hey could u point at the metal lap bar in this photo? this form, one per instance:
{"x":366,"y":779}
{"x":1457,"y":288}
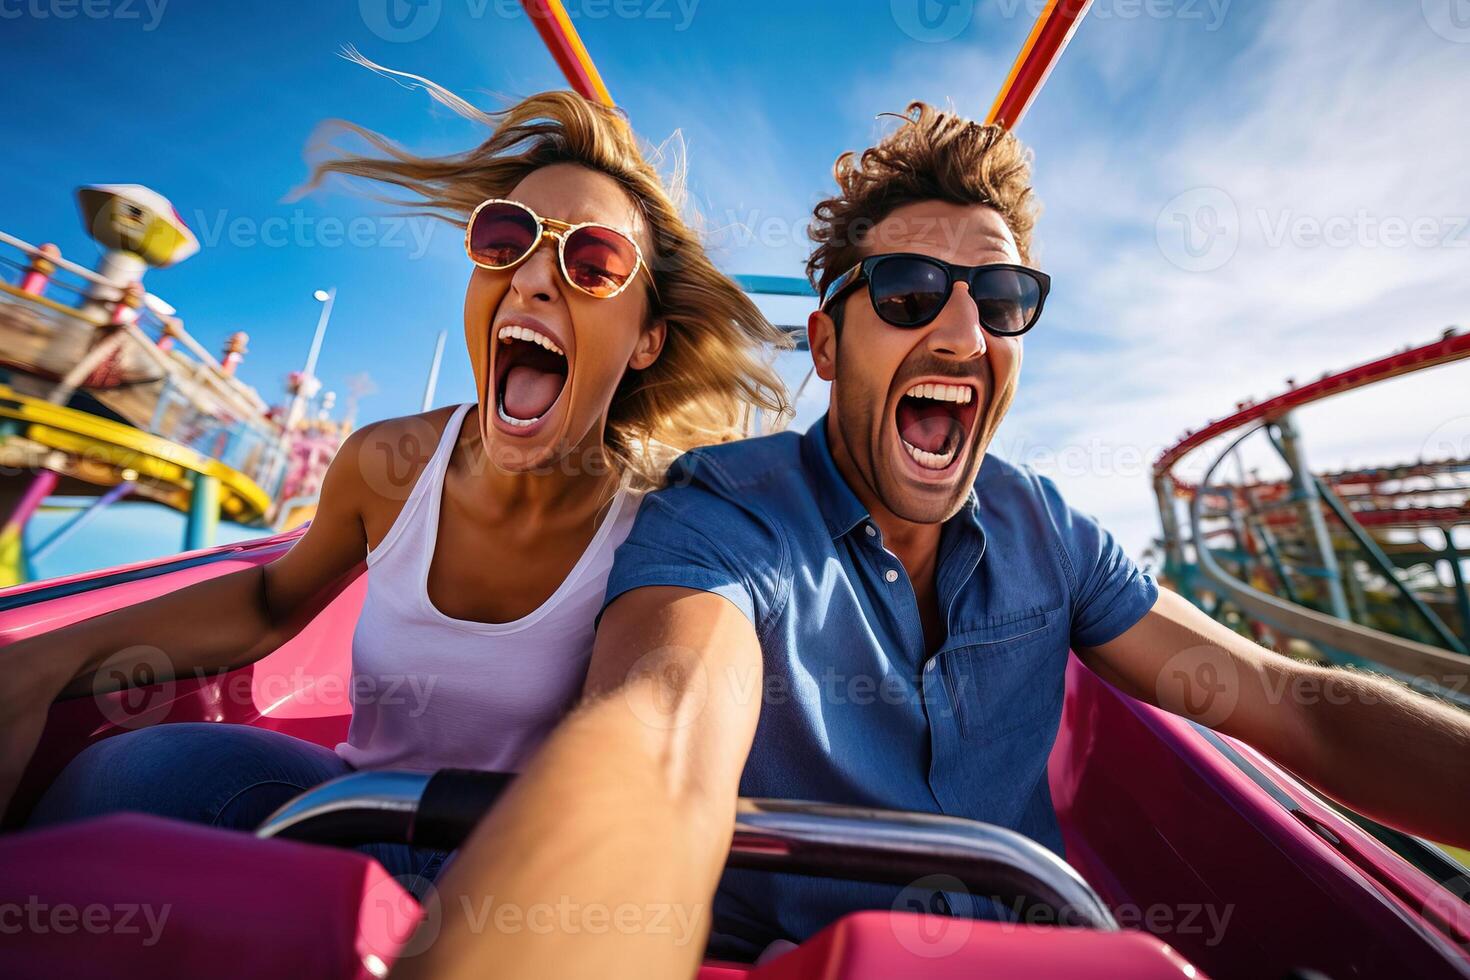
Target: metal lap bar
{"x":894,"y":847}
{"x":830,"y":841}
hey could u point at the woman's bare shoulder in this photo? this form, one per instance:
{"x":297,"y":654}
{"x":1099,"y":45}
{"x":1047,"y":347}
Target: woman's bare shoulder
{"x":383,"y":460}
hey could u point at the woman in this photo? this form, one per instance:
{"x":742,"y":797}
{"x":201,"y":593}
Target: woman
{"x":603,"y":341}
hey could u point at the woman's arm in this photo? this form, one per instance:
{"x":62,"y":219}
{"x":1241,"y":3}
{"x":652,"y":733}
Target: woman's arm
{"x":224,"y":622}
{"x":219,"y":624}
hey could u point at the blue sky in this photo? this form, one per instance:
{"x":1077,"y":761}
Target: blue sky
{"x":1313,"y":114}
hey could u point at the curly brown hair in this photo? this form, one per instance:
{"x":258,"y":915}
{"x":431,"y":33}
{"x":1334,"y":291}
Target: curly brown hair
{"x":934,"y":155}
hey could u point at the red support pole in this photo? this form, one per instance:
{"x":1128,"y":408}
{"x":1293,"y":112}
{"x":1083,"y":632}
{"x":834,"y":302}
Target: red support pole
{"x":30,"y":501}
{"x":561,"y":39}
{"x":234,"y":352}
{"x":13,"y":559}
{"x":170,"y":332}
{"x":1043,"y":49}
{"x":42,"y":266}
{"x":127,"y":307}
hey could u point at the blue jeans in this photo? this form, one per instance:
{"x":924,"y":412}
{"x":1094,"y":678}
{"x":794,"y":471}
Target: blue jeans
{"x":221,"y":775}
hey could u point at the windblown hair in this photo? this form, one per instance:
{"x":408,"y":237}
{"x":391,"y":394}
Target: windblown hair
{"x":932,"y":156}
{"x":713,"y":378}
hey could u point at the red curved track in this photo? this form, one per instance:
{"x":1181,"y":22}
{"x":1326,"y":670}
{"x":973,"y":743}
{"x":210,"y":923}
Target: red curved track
{"x":1451,"y":347}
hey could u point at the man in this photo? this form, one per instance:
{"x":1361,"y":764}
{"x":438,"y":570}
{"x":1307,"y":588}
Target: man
{"x":877,"y":612}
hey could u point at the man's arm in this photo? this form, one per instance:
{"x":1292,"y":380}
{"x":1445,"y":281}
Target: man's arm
{"x":607,"y":849}
{"x":1393,"y":755}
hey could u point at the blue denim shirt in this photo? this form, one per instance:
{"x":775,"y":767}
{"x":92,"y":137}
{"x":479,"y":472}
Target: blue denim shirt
{"x":854,"y":710}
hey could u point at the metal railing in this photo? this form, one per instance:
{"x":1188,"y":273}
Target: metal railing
{"x":128,"y":349}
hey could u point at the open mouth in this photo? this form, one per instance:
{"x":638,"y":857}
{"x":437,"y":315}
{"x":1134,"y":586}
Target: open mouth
{"x":530,"y":373}
{"x":933,"y":421}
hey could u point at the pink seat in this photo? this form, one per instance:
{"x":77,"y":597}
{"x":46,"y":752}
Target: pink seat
{"x":137,"y":896}
{"x":882,"y":945}
{"x":134,"y":896}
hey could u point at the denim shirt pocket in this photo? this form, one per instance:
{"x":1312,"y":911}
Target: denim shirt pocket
{"x":999,"y":675}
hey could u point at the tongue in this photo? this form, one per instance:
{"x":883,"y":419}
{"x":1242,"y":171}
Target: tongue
{"x":925,"y":424}
{"x":528,"y":392}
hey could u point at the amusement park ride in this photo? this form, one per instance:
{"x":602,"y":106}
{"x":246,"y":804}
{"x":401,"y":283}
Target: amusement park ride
{"x":112,"y":392}
{"x":1361,"y":566}
{"x":1166,"y":823}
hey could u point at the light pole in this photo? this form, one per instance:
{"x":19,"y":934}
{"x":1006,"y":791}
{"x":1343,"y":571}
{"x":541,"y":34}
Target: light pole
{"x":326,"y":297}
{"x":299,"y":397}
{"x":433,"y":381}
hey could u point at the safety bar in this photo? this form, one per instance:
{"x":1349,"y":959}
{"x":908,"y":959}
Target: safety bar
{"x":826,"y":840}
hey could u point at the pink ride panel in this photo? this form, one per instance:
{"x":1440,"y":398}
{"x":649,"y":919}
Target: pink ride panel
{"x":129,"y":896}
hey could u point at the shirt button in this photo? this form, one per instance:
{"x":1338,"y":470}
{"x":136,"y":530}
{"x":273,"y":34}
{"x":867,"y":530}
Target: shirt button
{"x":871,"y":533}
{"x":891,"y":575}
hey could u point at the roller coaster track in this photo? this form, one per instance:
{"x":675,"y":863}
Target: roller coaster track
{"x":1347,"y":503}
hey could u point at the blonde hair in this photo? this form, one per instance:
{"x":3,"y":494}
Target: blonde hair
{"x":711,"y":382}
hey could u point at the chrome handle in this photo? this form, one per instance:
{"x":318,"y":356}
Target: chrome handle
{"x":897,"y":847}
{"x":359,"y":808}
{"x":827,"y":840}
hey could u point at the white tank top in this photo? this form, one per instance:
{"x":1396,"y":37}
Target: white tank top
{"x":430,"y":691}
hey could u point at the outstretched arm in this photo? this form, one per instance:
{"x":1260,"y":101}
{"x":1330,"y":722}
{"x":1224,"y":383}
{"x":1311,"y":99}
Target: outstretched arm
{"x":229,"y":621}
{"x":218,"y":624}
{"x":1383,"y":750}
{"x":606,"y":851}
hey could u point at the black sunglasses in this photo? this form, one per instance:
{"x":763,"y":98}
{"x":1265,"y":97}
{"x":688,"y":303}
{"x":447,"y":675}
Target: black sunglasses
{"x":909,"y":290}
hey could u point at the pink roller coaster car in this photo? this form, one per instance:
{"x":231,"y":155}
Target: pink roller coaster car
{"x":1190,"y":854}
